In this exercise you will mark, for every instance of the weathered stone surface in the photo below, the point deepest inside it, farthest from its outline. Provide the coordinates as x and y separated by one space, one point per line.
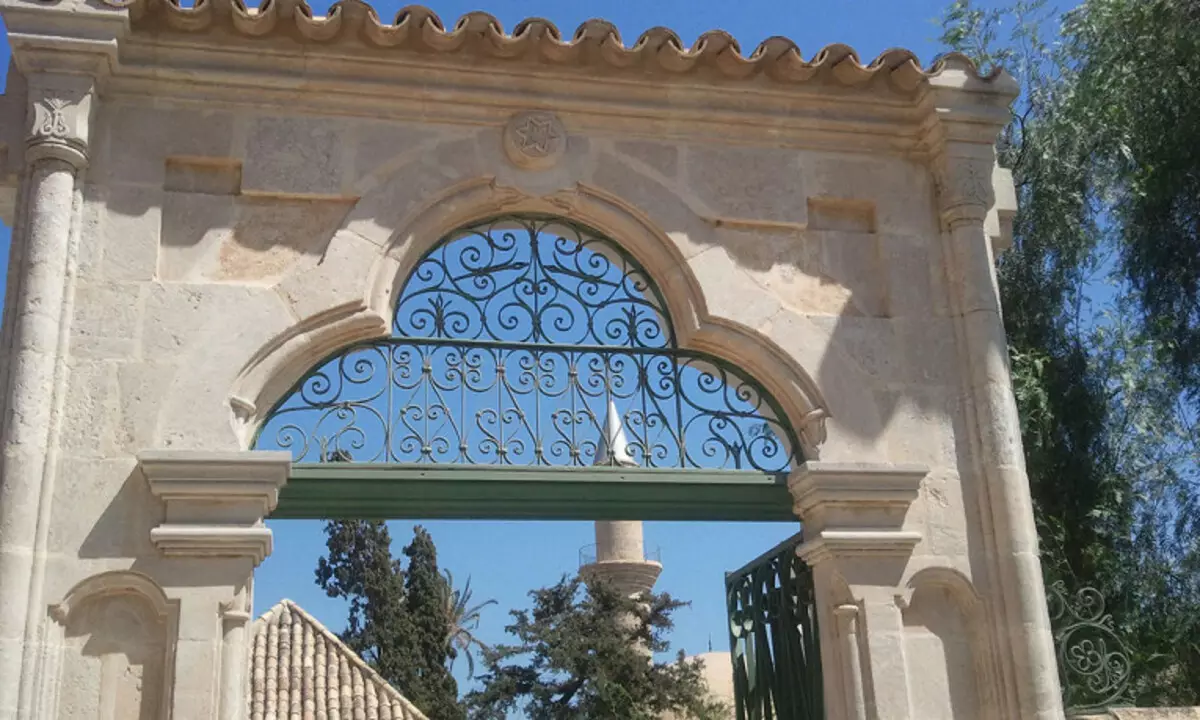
89 410
107 319
157 133
379 144
270 237
192 225
217 327
102 509
663 158
937 650
731 293
749 183
338 276
900 191
669 211
129 240
293 154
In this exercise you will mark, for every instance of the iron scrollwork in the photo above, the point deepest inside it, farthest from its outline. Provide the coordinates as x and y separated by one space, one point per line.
1093 662
511 339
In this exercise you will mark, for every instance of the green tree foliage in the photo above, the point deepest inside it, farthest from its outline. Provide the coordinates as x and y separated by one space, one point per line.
437 693
1101 301
578 656
462 620
397 621
359 568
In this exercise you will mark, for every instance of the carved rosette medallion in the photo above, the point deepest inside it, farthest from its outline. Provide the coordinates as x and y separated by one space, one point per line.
535 140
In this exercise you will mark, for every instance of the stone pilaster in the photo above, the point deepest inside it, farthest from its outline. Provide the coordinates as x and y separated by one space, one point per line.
235 618
857 542
58 113
964 166
213 533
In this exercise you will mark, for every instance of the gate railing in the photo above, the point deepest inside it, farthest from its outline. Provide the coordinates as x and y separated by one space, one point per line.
1093 662
773 637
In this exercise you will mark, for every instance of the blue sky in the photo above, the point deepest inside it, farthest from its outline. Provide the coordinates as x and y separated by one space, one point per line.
506 560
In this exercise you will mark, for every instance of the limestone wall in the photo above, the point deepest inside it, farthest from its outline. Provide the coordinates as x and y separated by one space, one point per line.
207 234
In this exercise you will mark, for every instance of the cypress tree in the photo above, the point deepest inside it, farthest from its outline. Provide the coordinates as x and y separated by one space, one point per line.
425 597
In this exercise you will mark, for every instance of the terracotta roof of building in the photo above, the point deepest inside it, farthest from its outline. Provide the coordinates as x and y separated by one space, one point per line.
299 669
595 43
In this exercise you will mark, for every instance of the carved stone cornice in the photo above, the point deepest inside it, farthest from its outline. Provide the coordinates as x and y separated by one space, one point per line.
75 37
854 495
855 511
215 502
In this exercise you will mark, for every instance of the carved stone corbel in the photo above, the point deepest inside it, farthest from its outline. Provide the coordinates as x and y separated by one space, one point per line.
215 502
858 544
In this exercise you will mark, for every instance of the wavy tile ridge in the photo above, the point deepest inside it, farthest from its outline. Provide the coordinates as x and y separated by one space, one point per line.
594 43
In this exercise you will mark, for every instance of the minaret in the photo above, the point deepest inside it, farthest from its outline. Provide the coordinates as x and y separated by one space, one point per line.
620 552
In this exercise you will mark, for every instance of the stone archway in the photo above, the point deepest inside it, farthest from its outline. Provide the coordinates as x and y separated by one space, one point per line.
829 226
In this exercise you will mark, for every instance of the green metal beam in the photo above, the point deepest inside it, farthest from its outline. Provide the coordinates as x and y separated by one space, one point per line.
377 491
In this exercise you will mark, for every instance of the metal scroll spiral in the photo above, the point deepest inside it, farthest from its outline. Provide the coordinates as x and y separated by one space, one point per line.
510 341
1093 662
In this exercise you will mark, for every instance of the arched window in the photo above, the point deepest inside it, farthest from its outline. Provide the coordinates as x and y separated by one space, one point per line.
530 340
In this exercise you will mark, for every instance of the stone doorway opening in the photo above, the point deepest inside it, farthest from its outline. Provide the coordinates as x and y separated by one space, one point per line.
534 372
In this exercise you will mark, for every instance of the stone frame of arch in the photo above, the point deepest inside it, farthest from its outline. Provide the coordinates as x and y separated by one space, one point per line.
208 201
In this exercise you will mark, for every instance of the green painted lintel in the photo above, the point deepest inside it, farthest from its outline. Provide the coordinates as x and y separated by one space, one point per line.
523 493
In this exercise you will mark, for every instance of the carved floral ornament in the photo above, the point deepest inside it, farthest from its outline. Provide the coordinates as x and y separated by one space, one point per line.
965 182
58 123
535 140
50 119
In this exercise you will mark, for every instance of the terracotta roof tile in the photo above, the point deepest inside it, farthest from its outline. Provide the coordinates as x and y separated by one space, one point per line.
299 669
595 43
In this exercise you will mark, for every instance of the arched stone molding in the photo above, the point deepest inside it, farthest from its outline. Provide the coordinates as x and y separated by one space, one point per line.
128 590
973 611
274 369
114 582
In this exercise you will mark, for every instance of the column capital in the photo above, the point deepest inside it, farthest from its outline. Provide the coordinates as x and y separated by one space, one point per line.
59 118
62 50
215 502
967 114
965 185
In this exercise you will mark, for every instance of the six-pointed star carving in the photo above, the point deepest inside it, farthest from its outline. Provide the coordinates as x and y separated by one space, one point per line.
537 135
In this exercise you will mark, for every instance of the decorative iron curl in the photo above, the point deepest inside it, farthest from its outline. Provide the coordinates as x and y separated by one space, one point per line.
1093 662
511 339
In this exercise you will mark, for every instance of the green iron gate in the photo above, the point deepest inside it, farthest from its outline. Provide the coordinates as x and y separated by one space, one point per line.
773 637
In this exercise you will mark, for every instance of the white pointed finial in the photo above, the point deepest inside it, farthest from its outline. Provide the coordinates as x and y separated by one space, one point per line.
613 448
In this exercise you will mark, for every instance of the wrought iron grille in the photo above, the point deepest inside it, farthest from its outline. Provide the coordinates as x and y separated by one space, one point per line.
511 340
773 638
1093 662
